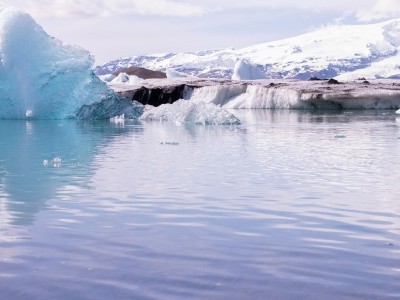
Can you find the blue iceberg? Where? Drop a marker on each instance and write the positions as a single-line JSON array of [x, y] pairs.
[[40, 76]]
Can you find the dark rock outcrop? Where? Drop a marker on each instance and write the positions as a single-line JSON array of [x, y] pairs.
[[141, 73], [314, 78], [333, 81], [161, 95]]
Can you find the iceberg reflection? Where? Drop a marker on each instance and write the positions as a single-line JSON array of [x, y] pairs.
[[29, 153]]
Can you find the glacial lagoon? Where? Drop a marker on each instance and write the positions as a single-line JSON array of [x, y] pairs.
[[288, 205]]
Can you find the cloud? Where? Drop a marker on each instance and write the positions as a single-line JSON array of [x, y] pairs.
[[381, 9], [361, 10], [103, 8]]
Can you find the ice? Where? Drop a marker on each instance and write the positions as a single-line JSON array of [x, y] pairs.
[[280, 94], [55, 162], [244, 70], [186, 111], [398, 112], [109, 108], [107, 78], [267, 97], [125, 78], [40, 77], [121, 78], [118, 119], [248, 96], [370, 50], [171, 73], [218, 94]]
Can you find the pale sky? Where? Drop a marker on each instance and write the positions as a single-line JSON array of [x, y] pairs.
[[111, 29]]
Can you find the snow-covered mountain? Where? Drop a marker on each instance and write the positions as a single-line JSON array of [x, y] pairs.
[[342, 51]]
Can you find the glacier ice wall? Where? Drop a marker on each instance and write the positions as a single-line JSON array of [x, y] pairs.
[[40, 77]]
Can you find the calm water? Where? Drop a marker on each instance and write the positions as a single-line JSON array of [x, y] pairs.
[[290, 205]]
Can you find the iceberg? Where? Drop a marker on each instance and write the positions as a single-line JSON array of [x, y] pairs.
[[172, 73], [190, 112], [41, 77], [244, 70], [107, 78]]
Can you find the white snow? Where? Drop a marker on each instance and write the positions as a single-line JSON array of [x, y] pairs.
[[398, 112], [40, 76], [371, 51], [190, 112]]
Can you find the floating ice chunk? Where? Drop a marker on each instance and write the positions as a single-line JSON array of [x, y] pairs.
[[118, 119], [171, 73], [121, 78], [398, 112], [133, 79], [107, 77], [125, 78], [40, 73], [244, 70], [111, 107], [186, 111], [29, 113], [55, 162]]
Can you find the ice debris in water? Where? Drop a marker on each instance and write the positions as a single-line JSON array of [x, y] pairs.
[[55, 162], [29, 113], [398, 111], [118, 119], [40, 74], [186, 111]]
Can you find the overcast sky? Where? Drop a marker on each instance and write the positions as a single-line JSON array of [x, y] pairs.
[[119, 28]]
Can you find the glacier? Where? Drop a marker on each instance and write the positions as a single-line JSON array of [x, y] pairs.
[[267, 94], [41, 77], [344, 51]]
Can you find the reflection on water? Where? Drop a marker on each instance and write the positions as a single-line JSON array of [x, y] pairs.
[[26, 181], [288, 205]]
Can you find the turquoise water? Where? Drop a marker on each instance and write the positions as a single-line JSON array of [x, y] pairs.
[[289, 205]]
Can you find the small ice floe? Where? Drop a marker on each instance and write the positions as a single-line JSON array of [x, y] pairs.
[[398, 112], [118, 119], [340, 136], [29, 113], [55, 162], [190, 112], [170, 143]]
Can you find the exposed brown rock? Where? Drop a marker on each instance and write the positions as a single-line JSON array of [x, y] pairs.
[[141, 73]]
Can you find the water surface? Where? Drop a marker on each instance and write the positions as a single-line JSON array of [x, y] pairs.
[[289, 205]]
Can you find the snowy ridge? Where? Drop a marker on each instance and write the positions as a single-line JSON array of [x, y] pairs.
[[347, 51]]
